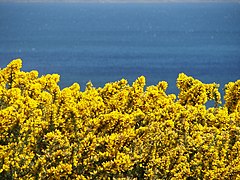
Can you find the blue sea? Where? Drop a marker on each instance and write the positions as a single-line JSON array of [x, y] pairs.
[[107, 42]]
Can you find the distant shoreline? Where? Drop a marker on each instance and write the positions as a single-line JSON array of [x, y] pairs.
[[119, 1]]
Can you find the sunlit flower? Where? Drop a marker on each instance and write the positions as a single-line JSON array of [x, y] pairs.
[[119, 131]]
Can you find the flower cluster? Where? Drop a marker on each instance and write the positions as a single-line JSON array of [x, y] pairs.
[[119, 131]]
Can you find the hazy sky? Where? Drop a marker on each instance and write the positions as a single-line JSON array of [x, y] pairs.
[[105, 1]]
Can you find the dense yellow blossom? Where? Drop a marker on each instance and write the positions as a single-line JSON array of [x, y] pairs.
[[119, 131]]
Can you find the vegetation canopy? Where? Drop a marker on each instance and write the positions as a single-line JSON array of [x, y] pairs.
[[119, 131]]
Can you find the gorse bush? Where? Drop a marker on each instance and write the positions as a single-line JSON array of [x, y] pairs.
[[119, 131]]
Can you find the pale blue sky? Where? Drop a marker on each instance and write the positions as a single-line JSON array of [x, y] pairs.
[[112, 1]]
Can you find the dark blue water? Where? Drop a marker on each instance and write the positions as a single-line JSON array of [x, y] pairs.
[[107, 42]]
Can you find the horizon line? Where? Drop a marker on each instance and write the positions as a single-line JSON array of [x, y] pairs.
[[119, 1]]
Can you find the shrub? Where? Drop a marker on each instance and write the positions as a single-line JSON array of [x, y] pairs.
[[118, 131]]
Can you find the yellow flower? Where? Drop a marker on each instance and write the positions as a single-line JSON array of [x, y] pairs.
[[120, 131]]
